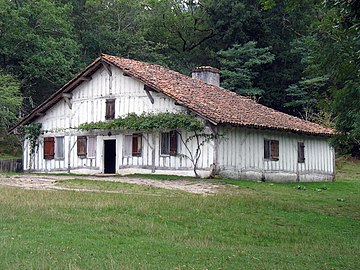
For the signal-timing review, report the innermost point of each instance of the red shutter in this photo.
(173, 143)
(136, 145)
(110, 109)
(301, 152)
(275, 150)
(49, 148)
(81, 146)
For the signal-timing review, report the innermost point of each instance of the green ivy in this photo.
(148, 122)
(32, 132)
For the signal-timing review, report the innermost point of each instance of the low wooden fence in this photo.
(11, 165)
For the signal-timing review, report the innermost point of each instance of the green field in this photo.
(248, 226)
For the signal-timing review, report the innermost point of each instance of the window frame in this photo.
(128, 145)
(136, 140)
(171, 149)
(90, 139)
(165, 149)
(59, 150)
(271, 150)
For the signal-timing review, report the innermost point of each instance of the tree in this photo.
(347, 121)
(333, 53)
(181, 30)
(37, 44)
(200, 140)
(305, 97)
(239, 65)
(10, 101)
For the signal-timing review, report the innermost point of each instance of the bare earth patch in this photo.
(49, 182)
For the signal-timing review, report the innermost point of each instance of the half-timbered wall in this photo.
(89, 100)
(151, 160)
(241, 155)
(88, 104)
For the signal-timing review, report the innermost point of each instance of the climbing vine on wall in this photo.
(32, 132)
(148, 122)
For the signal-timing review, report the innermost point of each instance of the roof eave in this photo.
(296, 131)
(53, 99)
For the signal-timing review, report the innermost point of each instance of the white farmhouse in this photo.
(258, 142)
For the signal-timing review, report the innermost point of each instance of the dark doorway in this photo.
(109, 156)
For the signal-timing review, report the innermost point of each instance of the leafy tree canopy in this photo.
(238, 65)
(10, 101)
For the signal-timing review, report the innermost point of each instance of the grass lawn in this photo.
(255, 226)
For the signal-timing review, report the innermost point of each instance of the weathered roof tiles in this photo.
(214, 103)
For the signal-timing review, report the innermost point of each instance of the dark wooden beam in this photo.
(107, 67)
(149, 88)
(147, 91)
(126, 74)
(68, 99)
(67, 95)
(83, 78)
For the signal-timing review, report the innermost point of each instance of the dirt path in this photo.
(49, 182)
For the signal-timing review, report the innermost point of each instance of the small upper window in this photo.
(110, 109)
(271, 150)
(168, 143)
(301, 152)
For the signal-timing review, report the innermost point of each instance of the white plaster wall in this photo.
(88, 105)
(241, 155)
(88, 101)
(165, 164)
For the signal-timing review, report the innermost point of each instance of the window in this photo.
(110, 109)
(301, 152)
(271, 150)
(128, 146)
(136, 145)
(81, 146)
(59, 148)
(91, 147)
(86, 146)
(168, 143)
(132, 145)
(49, 148)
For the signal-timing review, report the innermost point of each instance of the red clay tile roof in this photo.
(216, 104)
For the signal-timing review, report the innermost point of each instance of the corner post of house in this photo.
(297, 172)
(69, 154)
(153, 154)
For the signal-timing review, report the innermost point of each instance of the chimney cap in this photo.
(206, 68)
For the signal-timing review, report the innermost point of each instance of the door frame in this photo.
(104, 157)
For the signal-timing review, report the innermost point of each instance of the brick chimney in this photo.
(207, 74)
